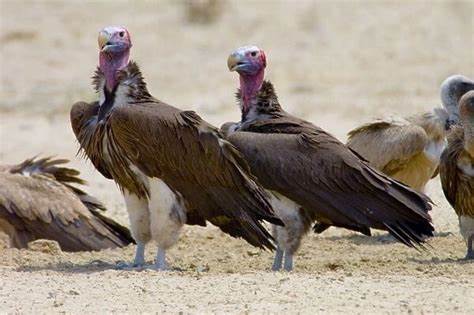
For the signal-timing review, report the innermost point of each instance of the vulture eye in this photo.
(253, 53)
(121, 34)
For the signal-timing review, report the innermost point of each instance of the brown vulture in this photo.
(39, 199)
(409, 149)
(171, 166)
(311, 175)
(456, 170)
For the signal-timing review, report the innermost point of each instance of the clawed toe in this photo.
(129, 266)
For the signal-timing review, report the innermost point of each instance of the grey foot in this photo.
(288, 266)
(470, 251)
(138, 262)
(129, 266)
(160, 263)
(278, 261)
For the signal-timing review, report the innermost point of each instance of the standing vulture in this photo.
(38, 200)
(409, 149)
(311, 175)
(457, 170)
(171, 166)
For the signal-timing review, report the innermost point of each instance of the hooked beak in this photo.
(236, 62)
(103, 40)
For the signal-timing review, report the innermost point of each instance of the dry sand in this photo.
(337, 64)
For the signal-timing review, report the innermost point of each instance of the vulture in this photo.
(457, 170)
(409, 149)
(310, 175)
(39, 200)
(171, 166)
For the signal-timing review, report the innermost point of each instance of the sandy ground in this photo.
(337, 64)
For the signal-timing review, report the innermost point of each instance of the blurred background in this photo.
(336, 63)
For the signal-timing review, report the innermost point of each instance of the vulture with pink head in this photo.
(171, 166)
(310, 174)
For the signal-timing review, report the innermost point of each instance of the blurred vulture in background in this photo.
(203, 11)
(409, 149)
(310, 174)
(457, 170)
(38, 201)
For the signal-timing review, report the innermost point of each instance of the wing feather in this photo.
(193, 159)
(322, 175)
(37, 199)
(388, 144)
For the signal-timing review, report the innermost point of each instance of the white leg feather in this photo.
(167, 216)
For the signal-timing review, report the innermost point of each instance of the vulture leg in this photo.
(139, 255)
(278, 261)
(140, 226)
(160, 263)
(138, 262)
(288, 237)
(167, 216)
(288, 266)
(470, 251)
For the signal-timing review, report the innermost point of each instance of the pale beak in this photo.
(233, 61)
(103, 39)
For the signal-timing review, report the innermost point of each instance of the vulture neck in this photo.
(467, 121)
(450, 103)
(111, 64)
(263, 103)
(250, 85)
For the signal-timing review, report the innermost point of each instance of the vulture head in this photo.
(452, 89)
(250, 63)
(247, 60)
(114, 46)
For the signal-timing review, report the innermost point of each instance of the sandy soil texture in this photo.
(337, 64)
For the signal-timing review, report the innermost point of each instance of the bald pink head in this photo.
(114, 45)
(250, 63)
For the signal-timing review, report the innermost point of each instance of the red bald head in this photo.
(114, 39)
(250, 63)
(247, 60)
(114, 44)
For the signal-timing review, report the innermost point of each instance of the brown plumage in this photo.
(39, 199)
(457, 170)
(409, 149)
(325, 180)
(141, 139)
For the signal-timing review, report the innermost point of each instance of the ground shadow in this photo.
(93, 267)
(360, 239)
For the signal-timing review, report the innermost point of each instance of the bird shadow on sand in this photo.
(442, 261)
(359, 239)
(94, 266)
(68, 267)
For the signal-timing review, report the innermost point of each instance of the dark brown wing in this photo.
(82, 116)
(38, 206)
(192, 158)
(311, 167)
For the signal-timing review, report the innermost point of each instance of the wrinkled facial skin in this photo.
(114, 39)
(248, 60)
(114, 44)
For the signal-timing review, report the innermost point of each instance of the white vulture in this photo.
(408, 149)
